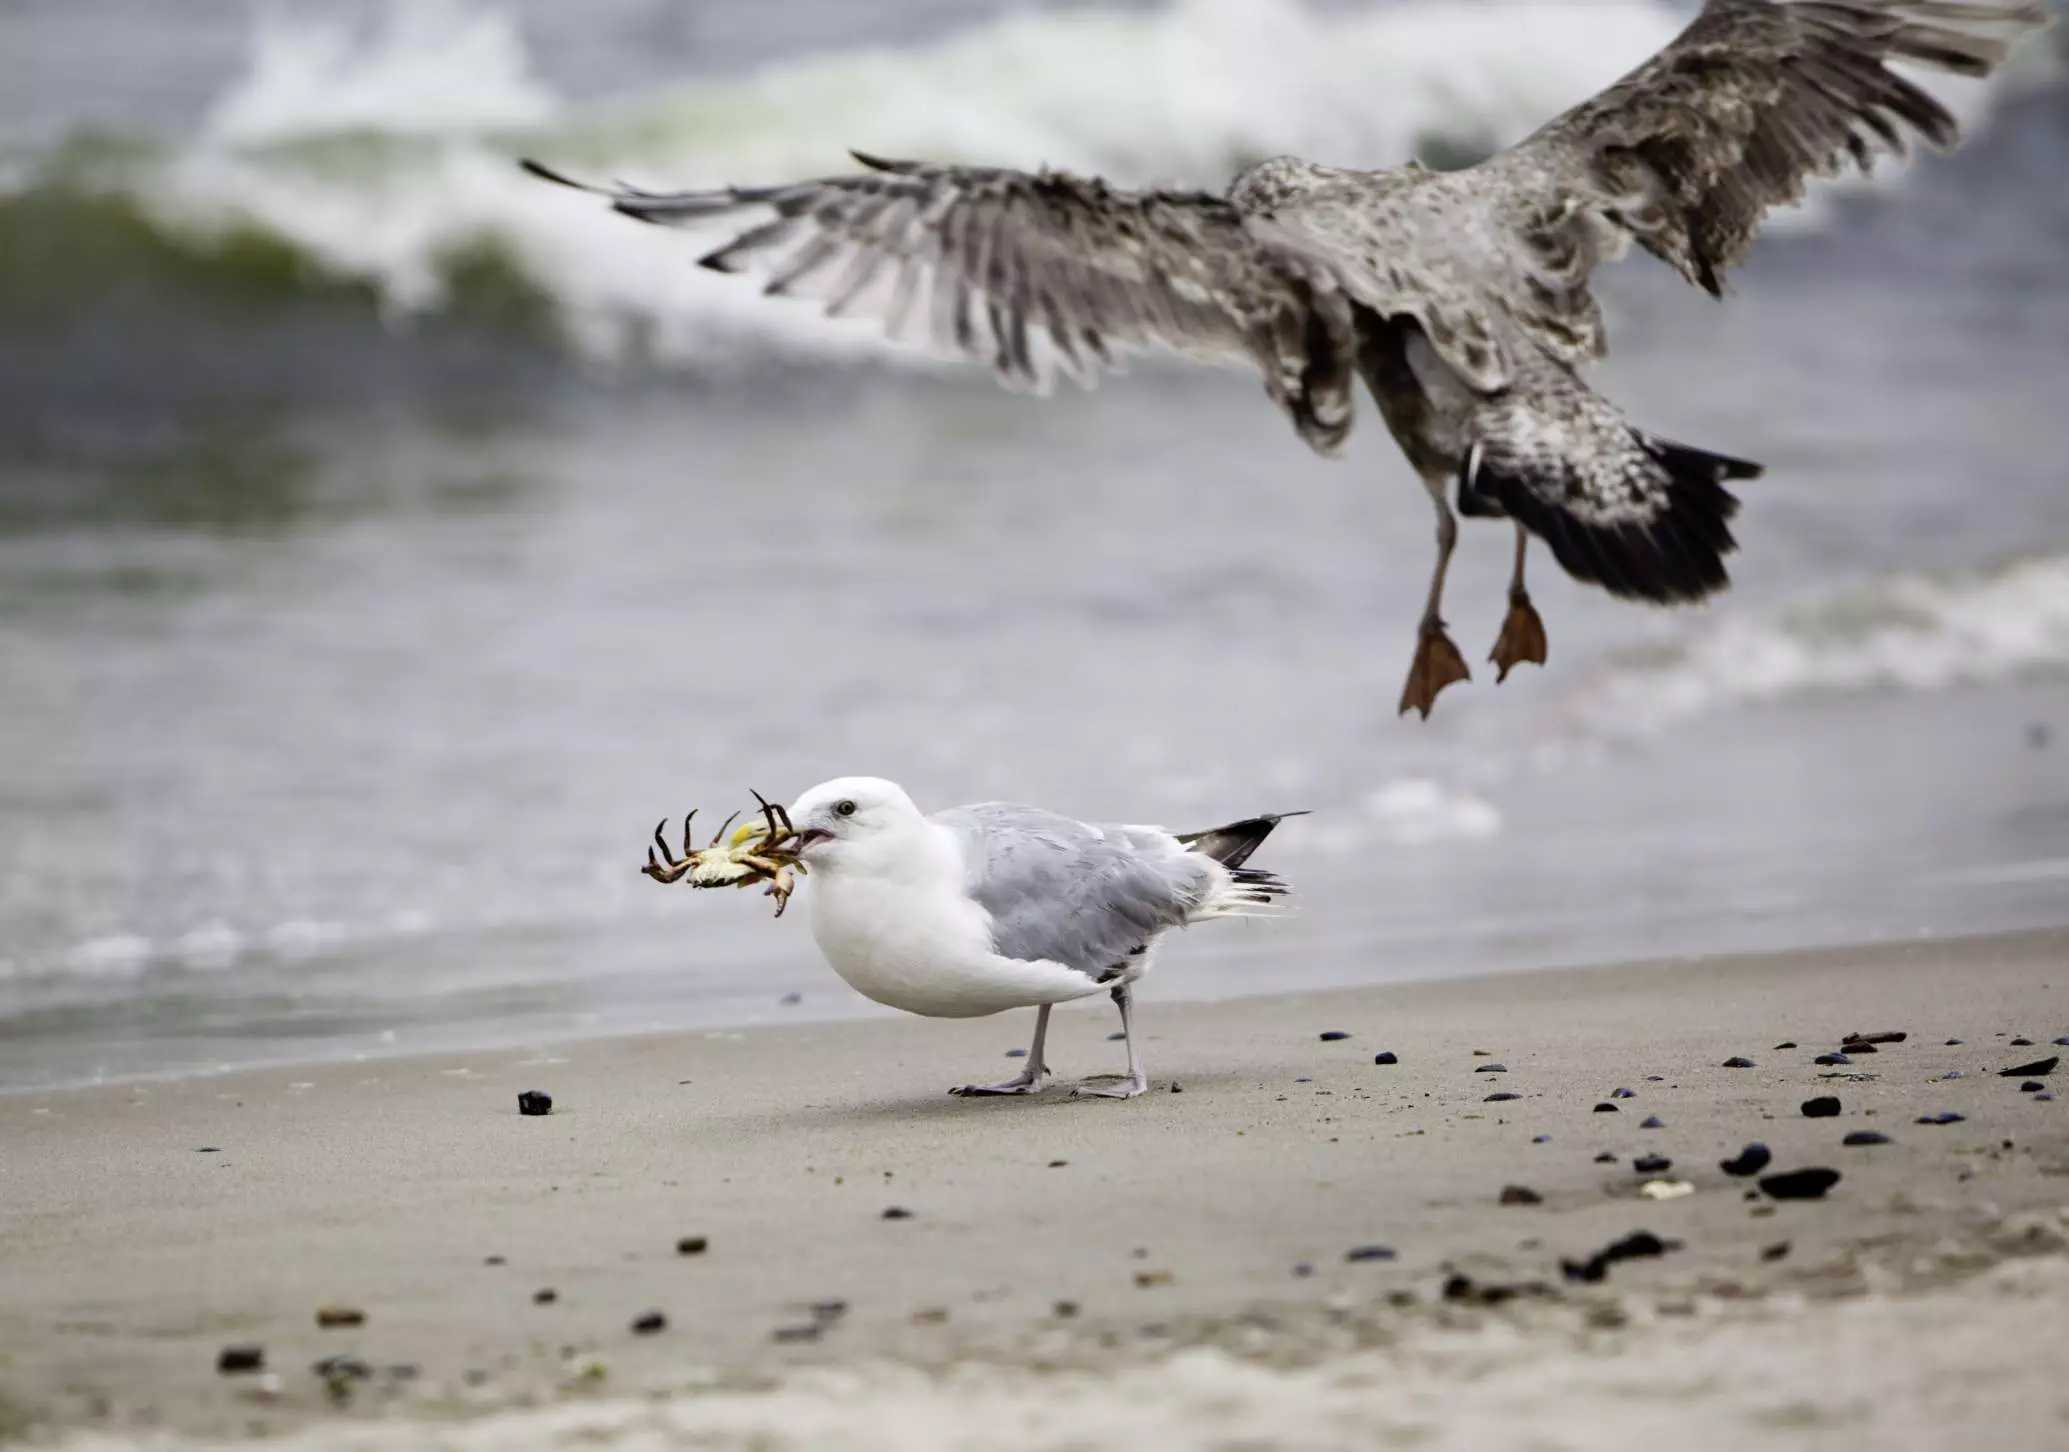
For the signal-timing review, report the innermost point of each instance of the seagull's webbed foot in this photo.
(1522, 640)
(1128, 1088)
(1031, 1080)
(1437, 665)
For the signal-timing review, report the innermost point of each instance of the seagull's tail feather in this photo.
(1231, 846)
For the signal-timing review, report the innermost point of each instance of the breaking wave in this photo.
(1903, 633)
(376, 162)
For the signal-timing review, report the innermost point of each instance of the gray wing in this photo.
(1690, 152)
(1039, 273)
(1072, 893)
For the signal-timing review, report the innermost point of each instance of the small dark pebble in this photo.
(1464, 1290)
(1637, 1245)
(1540, 1139)
(1492, 1069)
(1115, 1038)
(1501, 1097)
(338, 1373)
(1520, 1195)
(2022, 1043)
(1735, 1062)
(1655, 1078)
(1776, 1251)
(492, 1260)
(1652, 1121)
(545, 1296)
(1863, 1137)
(2031, 1086)
(1623, 1094)
(692, 1245)
(1064, 1310)
(791, 1000)
(208, 1149)
(1176, 1087)
(1011, 1054)
(897, 1212)
(535, 1101)
(1857, 1048)
(1945, 1116)
(1751, 1160)
(1954, 1074)
(792, 1333)
(1800, 1184)
(1952, 1042)
(1369, 1252)
(1305, 1079)
(1831, 1059)
(2045, 1096)
(1333, 1036)
(829, 1310)
(333, 1317)
(1387, 1057)
(1825, 1106)
(2034, 1070)
(1785, 1044)
(1607, 1157)
(1652, 1164)
(233, 1360)
(1605, 1107)
(1058, 1164)
(2063, 1040)
(1888, 1036)
(647, 1323)
(1302, 1271)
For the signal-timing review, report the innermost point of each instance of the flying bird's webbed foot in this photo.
(1031, 1080)
(1522, 640)
(1130, 1086)
(1437, 664)
(753, 854)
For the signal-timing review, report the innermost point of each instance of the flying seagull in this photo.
(979, 909)
(1461, 298)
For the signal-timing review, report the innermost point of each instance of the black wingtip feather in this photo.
(1232, 845)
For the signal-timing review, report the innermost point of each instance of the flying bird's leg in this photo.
(1028, 1080)
(1437, 662)
(1137, 1082)
(1523, 633)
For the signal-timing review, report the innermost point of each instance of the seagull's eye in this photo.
(844, 809)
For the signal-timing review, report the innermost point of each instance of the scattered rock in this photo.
(1605, 1107)
(2045, 1096)
(1540, 1139)
(1945, 1116)
(1751, 1160)
(1492, 1069)
(2063, 1040)
(1857, 1049)
(785, 1334)
(1064, 1310)
(1638, 1245)
(332, 1317)
(535, 1101)
(1954, 1074)
(1785, 1044)
(1520, 1195)
(1463, 1290)
(1058, 1164)
(236, 1360)
(1115, 1038)
(648, 1323)
(1369, 1252)
(692, 1245)
(1333, 1036)
(1501, 1097)
(1655, 1078)
(1150, 1279)
(1387, 1057)
(1652, 1121)
(208, 1149)
(1665, 1189)
(1623, 1094)
(339, 1374)
(791, 1000)
(1607, 1157)
(2031, 1086)
(1808, 1184)
(2035, 1070)
(897, 1212)
(1862, 1137)
(492, 1260)
(2022, 1043)
(1888, 1036)
(1825, 1106)
(1011, 1054)
(1652, 1164)
(1176, 1087)
(1736, 1062)
(1776, 1251)
(1831, 1059)
(1303, 1270)
(545, 1296)
(1952, 1042)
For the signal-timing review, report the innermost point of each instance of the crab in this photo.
(753, 853)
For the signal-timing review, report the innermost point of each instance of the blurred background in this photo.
(387, 540)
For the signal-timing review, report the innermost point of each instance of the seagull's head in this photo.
(839, 818)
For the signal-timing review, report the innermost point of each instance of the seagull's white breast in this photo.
(898, 926)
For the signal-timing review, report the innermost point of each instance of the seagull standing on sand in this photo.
(1461, 298)
(983, 908)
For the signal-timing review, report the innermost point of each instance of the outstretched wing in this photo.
(1690, 151)
(1064, 891)
(1038, 273)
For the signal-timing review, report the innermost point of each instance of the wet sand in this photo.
(144, 1228)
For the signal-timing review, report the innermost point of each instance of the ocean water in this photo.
(387, 540)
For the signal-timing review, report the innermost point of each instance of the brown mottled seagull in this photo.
(1461, 298)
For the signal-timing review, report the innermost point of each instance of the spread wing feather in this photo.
(1040, 273)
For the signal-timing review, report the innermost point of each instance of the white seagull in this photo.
(1460, 298)
(978, 909)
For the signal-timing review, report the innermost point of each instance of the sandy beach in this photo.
(1174, 1271)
